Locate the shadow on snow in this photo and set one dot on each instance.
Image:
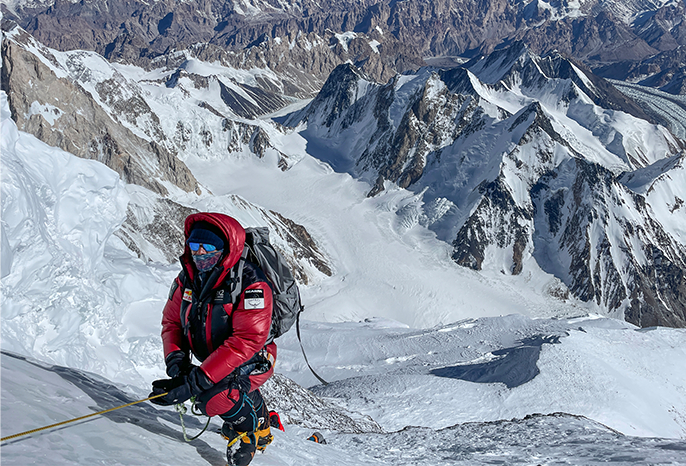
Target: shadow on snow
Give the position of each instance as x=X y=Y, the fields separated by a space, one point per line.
x=514 y=366
x=144 y=415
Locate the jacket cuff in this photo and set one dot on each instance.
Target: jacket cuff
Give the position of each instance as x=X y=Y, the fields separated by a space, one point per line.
x=199 y=381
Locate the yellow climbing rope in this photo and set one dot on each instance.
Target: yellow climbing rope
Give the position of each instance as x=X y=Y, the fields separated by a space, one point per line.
x=33 y=431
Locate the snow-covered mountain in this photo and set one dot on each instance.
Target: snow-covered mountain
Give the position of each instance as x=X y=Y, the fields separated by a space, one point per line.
x=513 y=158
x=516 y=159
x=429 y=362
x=161 y=107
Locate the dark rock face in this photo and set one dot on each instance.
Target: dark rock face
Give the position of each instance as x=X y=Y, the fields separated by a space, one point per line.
x=596 y=39
x=617 y=261
x=395 y=152
x=402 y=156
x=497 y=221
x=298 y=43
x=338 y=92
x=135 y=31
x=161 y=227
x=81 y=126
x=304 y=248
x=665 y=71
x=662 y=29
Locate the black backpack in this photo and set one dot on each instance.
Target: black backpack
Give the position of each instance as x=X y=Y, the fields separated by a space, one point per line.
x=287 y=305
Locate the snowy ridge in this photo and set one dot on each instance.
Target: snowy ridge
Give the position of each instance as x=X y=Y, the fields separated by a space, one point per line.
x=196 y=108
x=97 y=76
x=626 y=11
x=70 y=303
x=664 y=187
x=517 y=77
x=610 y=371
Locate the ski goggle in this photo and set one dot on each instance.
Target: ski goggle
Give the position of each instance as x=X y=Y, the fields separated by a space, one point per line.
x=207 y=247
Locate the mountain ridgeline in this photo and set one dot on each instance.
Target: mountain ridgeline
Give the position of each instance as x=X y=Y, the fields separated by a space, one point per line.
x=523 y=162
x=302 y=38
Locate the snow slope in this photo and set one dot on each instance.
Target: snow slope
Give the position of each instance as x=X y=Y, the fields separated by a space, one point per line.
x=509 y=367
x=35 y=393
x=625 y=377
x=65 y=295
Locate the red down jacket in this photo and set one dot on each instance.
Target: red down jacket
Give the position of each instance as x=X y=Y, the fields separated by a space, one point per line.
x=200 y=318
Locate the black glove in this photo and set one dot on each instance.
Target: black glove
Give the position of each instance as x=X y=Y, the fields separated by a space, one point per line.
x=178 y=363
x=175 y=390
x=180 y=389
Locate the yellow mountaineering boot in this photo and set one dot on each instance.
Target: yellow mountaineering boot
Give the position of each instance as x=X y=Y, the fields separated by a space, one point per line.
x=241 y=448
x=264 y=436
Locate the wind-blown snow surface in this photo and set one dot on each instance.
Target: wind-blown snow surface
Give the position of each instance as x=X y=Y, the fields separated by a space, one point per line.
x=74 y=296
x=604 y=368
x=65 y=294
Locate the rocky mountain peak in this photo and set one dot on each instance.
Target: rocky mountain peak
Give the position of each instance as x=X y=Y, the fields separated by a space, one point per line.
x=68 y=110
x=493 y=141
x=344 y=86
x=496 y=66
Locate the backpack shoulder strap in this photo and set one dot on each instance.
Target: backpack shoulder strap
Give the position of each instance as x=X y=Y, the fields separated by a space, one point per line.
x=236 y=276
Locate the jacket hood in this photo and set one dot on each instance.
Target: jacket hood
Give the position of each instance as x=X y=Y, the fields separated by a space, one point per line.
x=233 y=232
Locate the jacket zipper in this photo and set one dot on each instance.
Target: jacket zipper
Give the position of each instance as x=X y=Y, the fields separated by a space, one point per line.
x=208 y=328
x=188 y=326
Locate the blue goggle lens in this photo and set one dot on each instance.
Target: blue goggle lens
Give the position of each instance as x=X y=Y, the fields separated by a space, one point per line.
x=207 y=247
